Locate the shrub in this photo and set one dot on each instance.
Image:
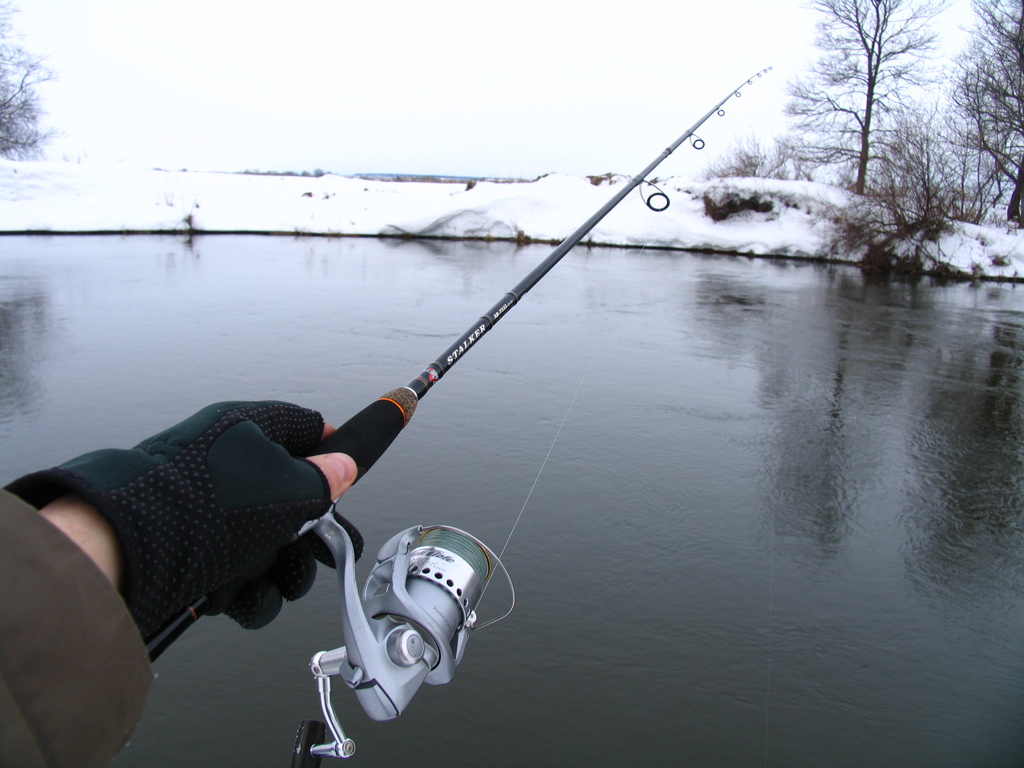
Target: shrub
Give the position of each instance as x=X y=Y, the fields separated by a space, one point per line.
x=897 y=225
x=749 y=158
x=730 y=203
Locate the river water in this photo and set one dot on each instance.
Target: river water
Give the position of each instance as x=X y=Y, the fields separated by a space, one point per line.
x=780 y=525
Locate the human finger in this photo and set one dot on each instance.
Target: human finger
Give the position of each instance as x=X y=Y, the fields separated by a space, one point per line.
x=339 y=469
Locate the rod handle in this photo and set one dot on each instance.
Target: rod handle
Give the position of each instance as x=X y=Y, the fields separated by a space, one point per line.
x=368 y=434
x=364 y=437
x=175 y=627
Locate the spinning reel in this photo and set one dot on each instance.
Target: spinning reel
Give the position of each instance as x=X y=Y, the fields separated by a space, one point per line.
x=410 y=625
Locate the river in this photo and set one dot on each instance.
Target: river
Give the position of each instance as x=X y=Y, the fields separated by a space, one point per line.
x=779 y=522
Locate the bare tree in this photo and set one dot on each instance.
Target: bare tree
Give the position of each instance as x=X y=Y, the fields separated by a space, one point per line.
x=989 y=92
x=872 y=50
x=20 y=112
x=972 y=175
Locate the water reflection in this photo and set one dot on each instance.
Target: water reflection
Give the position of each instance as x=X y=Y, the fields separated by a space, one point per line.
x=25 y=330
x=967 y=441
x=867 y=384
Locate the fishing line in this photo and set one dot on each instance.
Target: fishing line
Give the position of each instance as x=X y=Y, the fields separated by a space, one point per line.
x=771 y=627
x=771 y=622
x=547 y=456
x=658 y=201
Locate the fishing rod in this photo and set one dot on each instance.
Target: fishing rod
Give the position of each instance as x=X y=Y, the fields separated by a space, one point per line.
x=409 y=625
x=369 y=433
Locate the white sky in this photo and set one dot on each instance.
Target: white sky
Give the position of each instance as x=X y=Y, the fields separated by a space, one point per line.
x=513 y=88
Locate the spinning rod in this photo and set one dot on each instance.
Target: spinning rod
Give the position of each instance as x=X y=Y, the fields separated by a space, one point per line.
x=367 y=435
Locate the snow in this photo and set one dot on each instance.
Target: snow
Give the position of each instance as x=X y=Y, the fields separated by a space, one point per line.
x=65 y=197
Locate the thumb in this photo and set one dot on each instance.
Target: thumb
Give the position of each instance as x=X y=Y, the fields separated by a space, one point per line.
x=339 y=469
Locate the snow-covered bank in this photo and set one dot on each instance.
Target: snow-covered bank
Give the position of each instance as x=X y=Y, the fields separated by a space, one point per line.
x=60 y=198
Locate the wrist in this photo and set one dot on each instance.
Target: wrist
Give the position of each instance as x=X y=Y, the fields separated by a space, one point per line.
x=84 y=525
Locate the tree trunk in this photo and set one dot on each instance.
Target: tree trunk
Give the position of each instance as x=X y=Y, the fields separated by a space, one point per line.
x=1013 y=209
x=862 y=163
x=865 y=130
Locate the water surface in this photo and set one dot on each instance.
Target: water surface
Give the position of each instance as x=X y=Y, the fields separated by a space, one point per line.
x=781 y=524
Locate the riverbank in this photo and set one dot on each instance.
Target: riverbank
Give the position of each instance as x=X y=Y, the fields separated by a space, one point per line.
x=752 y=217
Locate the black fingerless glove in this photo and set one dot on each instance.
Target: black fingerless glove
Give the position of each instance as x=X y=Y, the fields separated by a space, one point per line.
x=209 y=507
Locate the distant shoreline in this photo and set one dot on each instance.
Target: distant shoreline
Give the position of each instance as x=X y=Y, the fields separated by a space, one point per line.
x=187 y=235
x=753 y=217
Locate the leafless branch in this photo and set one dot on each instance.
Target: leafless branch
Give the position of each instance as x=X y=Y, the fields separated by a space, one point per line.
x=21 y=134
x=872 y=52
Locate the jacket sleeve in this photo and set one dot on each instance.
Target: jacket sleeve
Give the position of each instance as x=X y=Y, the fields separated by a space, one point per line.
x=73 y=668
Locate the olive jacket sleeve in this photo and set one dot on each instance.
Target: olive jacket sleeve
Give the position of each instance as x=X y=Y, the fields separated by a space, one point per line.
x=73 y=668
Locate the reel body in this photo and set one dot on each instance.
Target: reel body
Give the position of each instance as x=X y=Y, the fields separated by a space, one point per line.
x=408 y=626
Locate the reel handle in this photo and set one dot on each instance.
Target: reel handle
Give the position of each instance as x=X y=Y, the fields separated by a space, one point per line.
x=370 y=432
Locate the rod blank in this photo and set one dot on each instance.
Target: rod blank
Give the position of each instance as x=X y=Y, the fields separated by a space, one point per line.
x=433 y=372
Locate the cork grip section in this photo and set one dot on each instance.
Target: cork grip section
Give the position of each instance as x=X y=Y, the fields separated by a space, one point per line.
x=405 y=399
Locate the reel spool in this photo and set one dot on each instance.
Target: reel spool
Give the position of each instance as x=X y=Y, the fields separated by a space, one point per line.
x=409 y=625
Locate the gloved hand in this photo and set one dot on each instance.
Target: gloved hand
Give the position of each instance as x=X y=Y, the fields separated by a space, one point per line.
x=210 y=506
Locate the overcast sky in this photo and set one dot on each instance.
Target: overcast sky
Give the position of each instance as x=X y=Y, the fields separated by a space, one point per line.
x=512 y=88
